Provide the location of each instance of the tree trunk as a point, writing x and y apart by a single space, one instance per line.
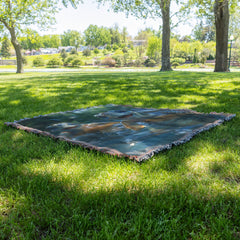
17 48
165 8
221 12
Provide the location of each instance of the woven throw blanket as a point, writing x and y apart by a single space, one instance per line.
125 131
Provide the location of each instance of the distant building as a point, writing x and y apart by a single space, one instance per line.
82 48
67 48
137 43
48 50
102 47
33 52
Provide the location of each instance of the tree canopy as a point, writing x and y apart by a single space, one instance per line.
220 10
234 25
145 9
71 38
22 13
17 15
97 36
5 49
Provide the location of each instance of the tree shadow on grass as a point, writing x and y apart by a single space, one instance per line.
69 91
52 93
110 198
37 95
43 205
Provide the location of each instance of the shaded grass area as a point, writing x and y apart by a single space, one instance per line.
52 190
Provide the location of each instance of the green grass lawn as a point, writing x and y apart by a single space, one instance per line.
52 190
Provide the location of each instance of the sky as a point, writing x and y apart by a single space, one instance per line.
88 13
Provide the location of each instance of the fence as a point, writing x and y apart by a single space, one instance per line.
235 64
8 62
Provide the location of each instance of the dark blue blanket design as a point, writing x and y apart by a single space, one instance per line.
136 133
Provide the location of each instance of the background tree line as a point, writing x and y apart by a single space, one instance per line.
196 48
94 36
17 15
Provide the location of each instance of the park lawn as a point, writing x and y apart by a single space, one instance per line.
45 57
52 190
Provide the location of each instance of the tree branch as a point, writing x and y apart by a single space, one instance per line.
5 23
